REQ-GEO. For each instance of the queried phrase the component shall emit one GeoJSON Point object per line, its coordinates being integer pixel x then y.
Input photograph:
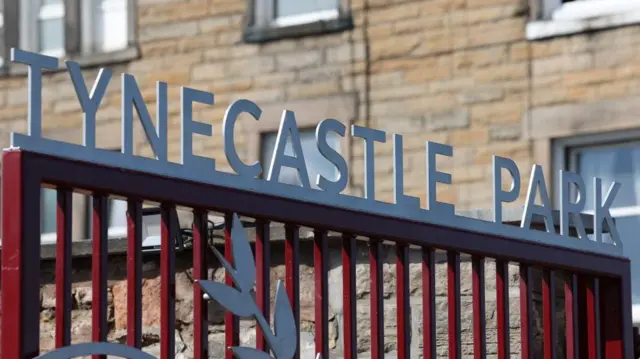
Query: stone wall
{"type": "Point", "coordinates": [82, 300]}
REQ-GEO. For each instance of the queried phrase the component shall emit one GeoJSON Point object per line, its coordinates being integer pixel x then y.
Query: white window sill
{"type": "Point", "coordinates": [538, 30]}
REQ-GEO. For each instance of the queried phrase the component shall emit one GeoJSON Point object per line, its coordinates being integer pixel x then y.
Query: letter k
{"type": "Point", "coordinates": [602, 211]}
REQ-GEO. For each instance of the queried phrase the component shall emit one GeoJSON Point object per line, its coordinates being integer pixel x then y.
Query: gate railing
{"type": "Point", "coordinates": [597, 292]}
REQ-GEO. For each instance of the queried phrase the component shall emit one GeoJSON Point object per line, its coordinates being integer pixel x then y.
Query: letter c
{"type": "Point", "coordinates": [228, 124]}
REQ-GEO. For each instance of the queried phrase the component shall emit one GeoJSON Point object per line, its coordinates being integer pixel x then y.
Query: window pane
{"type": "Point", "coordinates": [316, 163]}
{"type": "Point", "coordinates": [619, 163]}
{"type": "Point", "coordinates": [111, 25]}
{"type": "Point", "coordinates": [118, 215]}
{"type": "Point", "coordinates": [297, 7]}
{"type": "Point", "coordinates": [51, 35]}
{"type": "Point", "coordinates": [48, 209]}
{"type": "Point", "coordinates": [50, 2]}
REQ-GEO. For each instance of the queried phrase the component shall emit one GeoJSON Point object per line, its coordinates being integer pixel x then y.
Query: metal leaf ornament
{"type": "Point", "coordinates": [240, 301]}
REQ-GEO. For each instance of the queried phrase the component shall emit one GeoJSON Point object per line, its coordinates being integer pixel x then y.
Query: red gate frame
{"type": "Point", "coordinates": [598, 279]}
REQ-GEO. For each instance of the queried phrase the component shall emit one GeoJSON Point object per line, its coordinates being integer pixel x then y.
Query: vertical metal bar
{"type": "Point", "coordinates": [99, 270]}
{"type": "Point", "coordinates": [587, 317]}
{"type": "Point", "coordinates": [377, 306]}
{"type": "Point", "coordinates": [549, 313]}
{"type": "Point", "coordinates": [263, 285]}
{"type": "Point", "coordinates": [134, 273]}
{"type": "Point", "coordinates": [571, 316]}
{"type": "Point", "coordinates": [231, 322]}
{"type": "Point", "coordinates": [402, 300]}
{"type": "Point", "coordinates": [200, 317]}
{"type": "Point", "coordinates": [627, 324]}
{"type": "Point", "coordinates": [321, 271]}
{"type": "Point", "coordinates": [526, 312]}
{"type": "Point", "coordinates": [596, 291]}
{"type": "Point", "coordinates": [479, 317]}
{"type": "Point", "coordinates": [167, 283]}
{"type": "Point", "coordinates": [63, 268]}
{"type": "Point", "coordinates": [348, 295]}
{"type": "Point", "coordinates": [20, 260]}
{"type": "Point", "coordinates": [292, 277]}
{"type": "Point", "coordinates": [502, 308]}
{"type": "Point", "coordinates": [611, 316]}
{"type": "Point", "coordinates": [428, 303]}
{"type": "Point", "coordinates": [453, 300]}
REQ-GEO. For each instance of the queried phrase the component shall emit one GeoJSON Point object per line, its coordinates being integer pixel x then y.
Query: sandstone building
{"type": "Point", "coordinates": [548, 82]}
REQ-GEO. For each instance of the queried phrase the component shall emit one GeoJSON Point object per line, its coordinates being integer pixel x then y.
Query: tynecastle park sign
{"type": "Point", "coordinates": [329, 193]}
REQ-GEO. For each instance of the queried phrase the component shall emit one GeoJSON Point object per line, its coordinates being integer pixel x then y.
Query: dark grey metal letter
{"type": "Point", "coordinates": [36, 63]}
{"type": "Point", "coordinates": [228, 143]}
{"type": "Point", "coordinates": [89, 102]}
{"type": "Point", "coordinates": [568, 207]}
{"type": "Point", "coordinates": [398, 176]}
{"type": "Point", "coordinates": [288, 129]}
{"type": "Point", "coordinates": [500, 196]}
{"type": "Point", "coordinates": [369, 135]}
{"type": "Point", "coordinates": [332, 156]}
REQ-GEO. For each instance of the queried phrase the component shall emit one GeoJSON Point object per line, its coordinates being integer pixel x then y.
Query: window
{"type": "Point", "coordinates": [82, 208]}
{"type": "Point", "coordinates": [275, 19]}
{"type": "Point", "coordinates": [563, 17]}
{"type": "Point", "coordinates": [611, 158]}
{"type": "Point", "coordinates": [316, 163]}
{"type": "Point", "coordinates": [87, 31]}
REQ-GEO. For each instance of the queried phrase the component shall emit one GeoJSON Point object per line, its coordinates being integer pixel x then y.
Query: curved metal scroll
{"type": "Point", "coordinates": [85, 349]}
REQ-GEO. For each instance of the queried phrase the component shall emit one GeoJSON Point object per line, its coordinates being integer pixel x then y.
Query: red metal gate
{"type": "Point", "coordinates": [597, 304]}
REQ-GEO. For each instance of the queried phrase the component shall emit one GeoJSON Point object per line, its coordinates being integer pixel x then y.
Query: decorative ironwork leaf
{"type": "Point", "coordinates": [86, 349]}
{"type": "Point", "coordinates": [284, 325]}
{"type": "Point", "coordinates": [249, 353]}
{"type": "Point", "coordinates": [243, 260]}
{"type": "Point", "coordinates": [238, 303]}
{"type": "Point", "coordinates": [227, 267]}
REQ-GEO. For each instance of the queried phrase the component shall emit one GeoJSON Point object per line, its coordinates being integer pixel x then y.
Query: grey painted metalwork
{"type": "Point", "coordinates": [85, 349]}
{"type": "Point", "coordinates": [434, 177]}
{"type": "Point", "coordinates": [288, 130]}
{"type": "Point", "coordinates": [500, 196]}
{"type": "Point", "coordinates": [240, 302]}
{"type": "Point", "coordinates": [89, 102]}
{"type": "Point", "coordinates": [228, 138]}
{"type": "Point", "coordinates": [332, 155]}
{"type": "Point", "coordinates": [437, 213]}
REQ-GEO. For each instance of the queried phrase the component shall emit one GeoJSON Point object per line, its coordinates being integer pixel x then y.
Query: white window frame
{"type": "Point", "coordinates": [581, 15]}
{"type": "Point", "coordinates": [561, 160]}
{"type": "Point", "coordinates": [265, 15]}
{"type": "Point", "coordinates": [31, 12]}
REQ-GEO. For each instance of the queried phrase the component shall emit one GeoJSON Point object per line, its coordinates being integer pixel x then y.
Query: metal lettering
{"type": "Point", "coordinates": [500, 196]}
{"type": "Point", "coordinates": [36, 64]}
{"type": "Point", "coordinates": [131, 97]}
{"type": "Point", "coordinates": [288, 130]}
{"type": "Point", "coordinates": [370, 136]}
{"type": "Point", "coordinates": [89, 102]}
{"type": "Point", "coordinates": [602, 210]}
{"type": "Point", "coordinates": [399, 197]}
{"type": "Point", "coordinates": [434, 177]}
{"type": "Point", "coordinates": [333, 156]}
{"type": "Point", "coordinates": [189, 127]}
{"type": "Point", "coordinates": [536, 184]}
{"type": "Point", "coordinates": [228, 143]}
{"type": "Point", "coordinates": [568, 207]}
